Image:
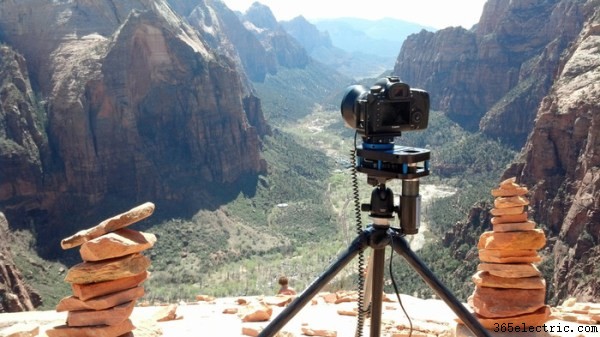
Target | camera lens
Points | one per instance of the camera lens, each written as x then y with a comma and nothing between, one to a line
349,105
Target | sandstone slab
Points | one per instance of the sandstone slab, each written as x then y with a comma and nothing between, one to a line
514,227
230,311
507,202
536,318
73,303
279,300
503,192
204,298
509,183
251,331
491,255
167,313
501,302
507,211
533,239
111,316
109,225
116,244
508,252
308,331
485,279
256,313
347,312
91,290
329,297
90,272
509,188
507,218
92,331
510,270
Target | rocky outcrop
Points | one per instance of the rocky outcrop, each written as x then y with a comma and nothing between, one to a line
23,141
493,76
254,39
225,33
561,164
288,52
137,107
15,295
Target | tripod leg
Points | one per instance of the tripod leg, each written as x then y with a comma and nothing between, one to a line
367,290
377,290
401,247
360,243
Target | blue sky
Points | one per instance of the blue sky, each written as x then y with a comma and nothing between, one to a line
433,13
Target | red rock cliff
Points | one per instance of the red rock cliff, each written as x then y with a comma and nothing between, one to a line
15,295
137,108
493,76
561,162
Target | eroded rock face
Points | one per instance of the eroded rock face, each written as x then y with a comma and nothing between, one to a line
561,161
288,52
138,107
225,33
22,137
254,40
15,295
493,76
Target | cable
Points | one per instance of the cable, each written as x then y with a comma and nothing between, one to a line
361,257
396,289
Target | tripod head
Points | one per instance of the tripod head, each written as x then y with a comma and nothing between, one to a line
386,161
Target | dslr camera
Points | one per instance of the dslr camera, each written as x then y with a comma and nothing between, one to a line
380,114
385,110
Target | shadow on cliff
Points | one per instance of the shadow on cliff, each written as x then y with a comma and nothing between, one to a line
49,229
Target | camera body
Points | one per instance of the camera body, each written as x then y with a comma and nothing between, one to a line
386,109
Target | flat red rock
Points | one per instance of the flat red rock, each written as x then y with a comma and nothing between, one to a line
510,270
91,331
92,290
514,201
514,226
106,270
533,239
521,217
73,303
492,256
503,302
485,279
116,244
111,316
109,225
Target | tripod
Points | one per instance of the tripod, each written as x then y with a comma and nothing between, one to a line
378,236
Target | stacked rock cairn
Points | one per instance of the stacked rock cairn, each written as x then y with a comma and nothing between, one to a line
509,288
108,283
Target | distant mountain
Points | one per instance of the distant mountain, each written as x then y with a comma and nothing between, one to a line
355,47
381,37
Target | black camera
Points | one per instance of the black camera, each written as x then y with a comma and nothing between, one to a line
386,109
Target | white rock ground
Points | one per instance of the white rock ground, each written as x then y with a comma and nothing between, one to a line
208,320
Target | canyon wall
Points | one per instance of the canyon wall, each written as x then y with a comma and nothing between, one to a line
493,76
118,102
